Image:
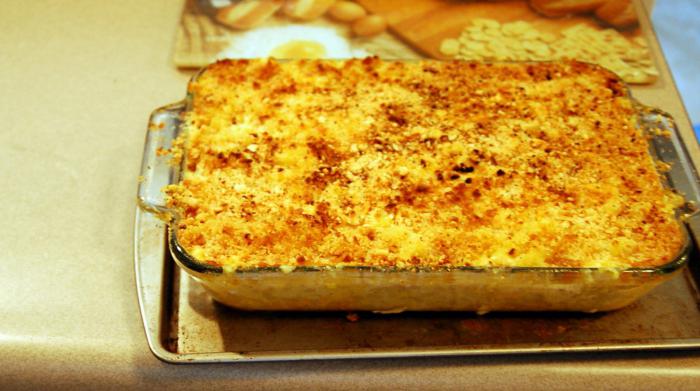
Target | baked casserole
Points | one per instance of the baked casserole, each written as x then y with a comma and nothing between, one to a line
417,167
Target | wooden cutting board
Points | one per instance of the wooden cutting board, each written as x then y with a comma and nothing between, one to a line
426,23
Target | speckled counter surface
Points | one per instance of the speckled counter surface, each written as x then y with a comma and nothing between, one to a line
78,80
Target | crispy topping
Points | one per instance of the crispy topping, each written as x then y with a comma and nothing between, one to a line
422,164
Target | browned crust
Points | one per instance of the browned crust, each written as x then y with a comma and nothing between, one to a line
367,162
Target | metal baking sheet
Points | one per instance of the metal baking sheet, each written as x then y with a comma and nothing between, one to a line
185,325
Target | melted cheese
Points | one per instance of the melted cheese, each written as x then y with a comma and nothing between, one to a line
423,164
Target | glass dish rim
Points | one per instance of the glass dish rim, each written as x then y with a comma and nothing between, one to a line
190,263
677,262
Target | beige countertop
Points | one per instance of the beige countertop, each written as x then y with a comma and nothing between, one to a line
78,80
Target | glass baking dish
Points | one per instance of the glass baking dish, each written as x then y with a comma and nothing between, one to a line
391,290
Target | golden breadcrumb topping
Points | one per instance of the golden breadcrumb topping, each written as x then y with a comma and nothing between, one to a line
418,164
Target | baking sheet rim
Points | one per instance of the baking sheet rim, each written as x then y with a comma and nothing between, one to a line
157,321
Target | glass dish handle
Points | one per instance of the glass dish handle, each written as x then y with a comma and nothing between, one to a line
682,173
156,169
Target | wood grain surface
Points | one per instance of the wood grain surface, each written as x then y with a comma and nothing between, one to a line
426,23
